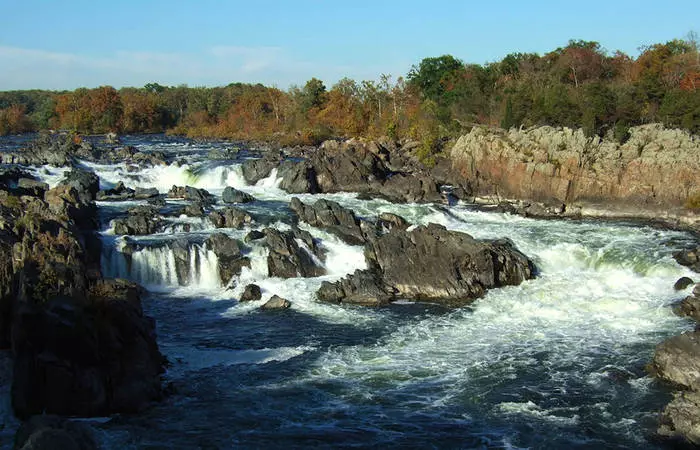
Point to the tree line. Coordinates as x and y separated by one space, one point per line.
579 85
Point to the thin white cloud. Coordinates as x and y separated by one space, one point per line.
35 68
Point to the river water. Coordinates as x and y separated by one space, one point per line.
557 362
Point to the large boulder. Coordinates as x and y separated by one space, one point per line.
228 253
251 293
364 287
412 188
233 195
677 361
431 263
191 193
137 224
348 166
118 193
287 259
230 217
255 170
689 258
84 181
86 358
332 217
298 177
680 420
276 302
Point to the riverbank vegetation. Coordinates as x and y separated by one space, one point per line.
580 85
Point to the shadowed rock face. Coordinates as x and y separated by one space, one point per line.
656 166
287 259
81 345
332 217
430 263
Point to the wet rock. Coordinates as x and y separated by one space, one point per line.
86 358
689 258
255 170
47 432
140 221
228 253
689 307
254 236
233 195
276 302
251 292
10 176
677 360
298 177
193 210
287 259
683 283
119 193
145 193
433 263
348 166
150 158
230 217
84 181
389 222
332 217
27 186
192 194
111 138
680 419
411 188
158 202
56 150
364 287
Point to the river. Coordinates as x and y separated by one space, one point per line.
557 362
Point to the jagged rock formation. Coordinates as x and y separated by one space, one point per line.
655 166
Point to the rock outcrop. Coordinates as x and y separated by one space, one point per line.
81 345
292 254
330 216
654 167
430 263
677 361
233 195
228 254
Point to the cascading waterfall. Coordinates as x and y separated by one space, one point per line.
162 266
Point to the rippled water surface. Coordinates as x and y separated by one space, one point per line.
557 362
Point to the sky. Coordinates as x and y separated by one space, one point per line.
69 44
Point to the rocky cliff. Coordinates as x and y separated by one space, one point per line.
655 167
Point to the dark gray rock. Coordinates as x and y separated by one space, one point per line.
230 217
347 167
145 193
228 253
332 217
233 195
254 235
411 188
298 177
389 222
689 307
683 283
689 258
119 193
251 292
84 181
677 361
680 420
140 222
276 302
255 170
28 186
192 194
287 259
364 287
193 210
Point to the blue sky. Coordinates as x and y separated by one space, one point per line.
69 44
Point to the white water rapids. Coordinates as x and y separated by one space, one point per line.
557 361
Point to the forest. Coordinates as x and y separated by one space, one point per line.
580 85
